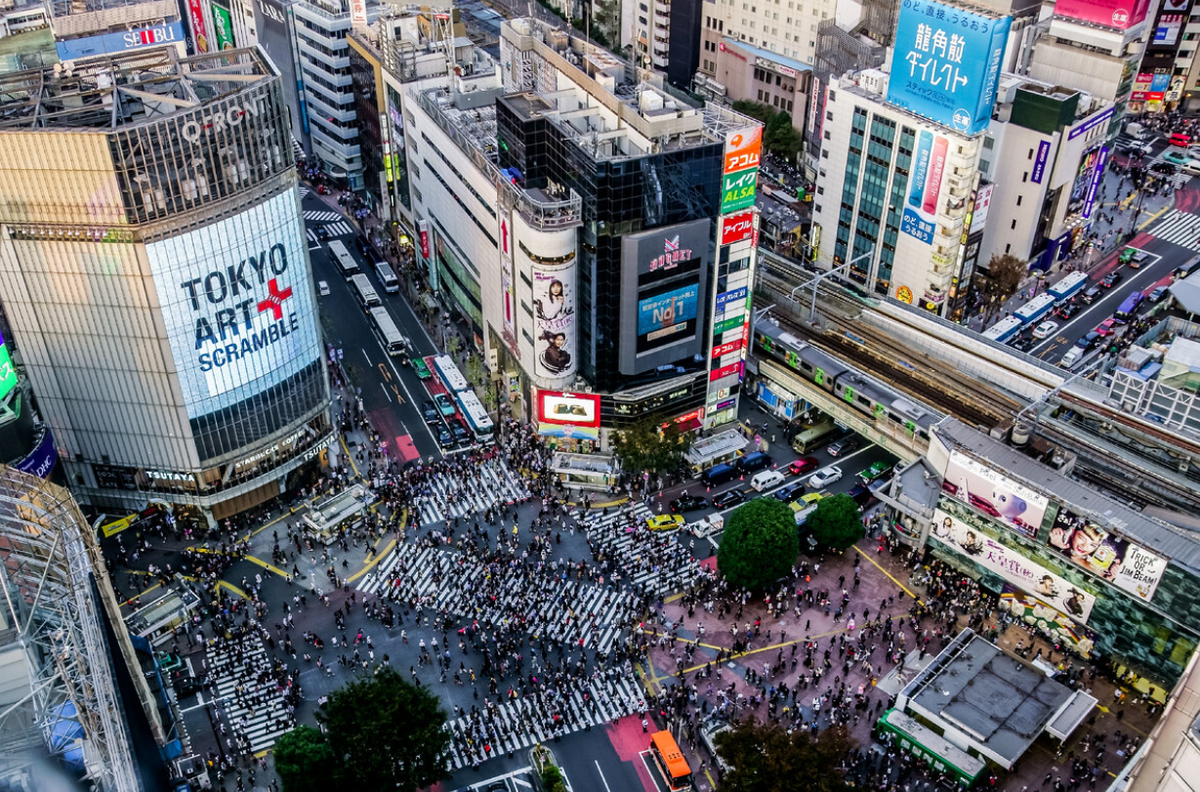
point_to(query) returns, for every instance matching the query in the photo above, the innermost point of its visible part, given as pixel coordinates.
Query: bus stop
(328, 520)
(709, 451)
(586, 471)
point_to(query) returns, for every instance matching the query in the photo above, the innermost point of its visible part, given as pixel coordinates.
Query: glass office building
(154, 267)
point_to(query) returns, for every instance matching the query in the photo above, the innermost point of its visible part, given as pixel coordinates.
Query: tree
(765, 758)
(759, 545)
(647, 446)
(781, 138)
(304, 760)
(1005, 273)
(754, 109)
(386, 733)
(836, 522)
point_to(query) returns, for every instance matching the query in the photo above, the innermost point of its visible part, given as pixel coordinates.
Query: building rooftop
(998, 701)
(125, 89)
(766, 54)
(1176, 544)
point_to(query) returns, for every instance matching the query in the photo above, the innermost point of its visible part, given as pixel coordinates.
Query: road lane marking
(385, 392)
(602, 778)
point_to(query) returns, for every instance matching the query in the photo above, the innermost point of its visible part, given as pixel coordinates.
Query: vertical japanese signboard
(223, 27)
(947, 64)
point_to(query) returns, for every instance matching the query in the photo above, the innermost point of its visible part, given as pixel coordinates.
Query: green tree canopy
(304, 760)
(765, 758)
(759, 545)
(779, 136)
(387, 734)
(647, 446)
(836, 522)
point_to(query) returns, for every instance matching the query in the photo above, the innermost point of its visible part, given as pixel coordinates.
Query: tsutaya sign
(214, 123)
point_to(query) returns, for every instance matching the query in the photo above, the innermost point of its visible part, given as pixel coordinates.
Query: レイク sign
(947, 64)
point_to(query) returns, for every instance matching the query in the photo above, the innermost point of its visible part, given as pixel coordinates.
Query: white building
(785, 27)
(870, 170)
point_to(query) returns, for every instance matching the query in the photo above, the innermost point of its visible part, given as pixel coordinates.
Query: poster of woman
(554, 320)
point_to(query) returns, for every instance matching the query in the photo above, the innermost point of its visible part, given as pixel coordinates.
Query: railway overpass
(1117, 427)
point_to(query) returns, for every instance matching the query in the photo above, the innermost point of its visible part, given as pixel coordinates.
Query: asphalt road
(391, 392)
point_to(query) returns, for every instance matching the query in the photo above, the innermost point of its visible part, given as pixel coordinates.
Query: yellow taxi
(664, 522)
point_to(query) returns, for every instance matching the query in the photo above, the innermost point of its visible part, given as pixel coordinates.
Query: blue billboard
(947, 64)
(667, 314)
(125, 40)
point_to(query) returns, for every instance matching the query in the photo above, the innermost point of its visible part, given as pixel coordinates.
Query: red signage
(1120, 14)
(725, 349)
(737, 228)
(198, 30)
(725, 371)
(423, 235)
(575, 409)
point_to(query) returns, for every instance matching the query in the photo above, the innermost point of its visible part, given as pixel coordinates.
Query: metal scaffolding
(50, 569)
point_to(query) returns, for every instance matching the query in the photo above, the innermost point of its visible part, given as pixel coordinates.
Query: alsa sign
(241, 308)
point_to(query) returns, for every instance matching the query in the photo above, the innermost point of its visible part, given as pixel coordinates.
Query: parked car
(752, 462)
(842, 447)
(718, 474)
(875, 472)
(803, 465)
(766, 479)
(727, 499)
(430, 411)
(664, 522)
(444, 405)
(823, 478)
(687, 503)
(444, 438)
(1045, 330)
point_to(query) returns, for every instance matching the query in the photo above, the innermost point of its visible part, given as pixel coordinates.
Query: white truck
(707, 525)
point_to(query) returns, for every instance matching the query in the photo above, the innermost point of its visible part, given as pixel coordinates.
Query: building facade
(157, 273)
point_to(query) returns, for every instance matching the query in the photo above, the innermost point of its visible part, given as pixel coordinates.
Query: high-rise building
(59, 692)
(592, 229)
(324, 56)
(154, 268)
(87, 28)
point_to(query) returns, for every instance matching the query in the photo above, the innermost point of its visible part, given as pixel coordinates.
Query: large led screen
(238, 303)
(666, 317)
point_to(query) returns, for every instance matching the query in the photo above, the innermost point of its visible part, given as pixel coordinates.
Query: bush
(552, 779)
(760, 544)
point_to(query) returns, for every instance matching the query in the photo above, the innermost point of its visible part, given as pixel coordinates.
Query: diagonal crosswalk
(542, 601)
(653, 563)
(1179, 228)
(249, 701)
(517, 724)
(440, 497)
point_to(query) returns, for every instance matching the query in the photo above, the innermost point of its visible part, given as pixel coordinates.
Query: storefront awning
(720, 445)
(690, 425)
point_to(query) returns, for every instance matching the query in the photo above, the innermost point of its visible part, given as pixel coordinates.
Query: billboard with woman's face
(554, 321)
(1126, 565)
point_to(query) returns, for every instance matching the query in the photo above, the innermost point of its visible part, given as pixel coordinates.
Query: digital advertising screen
(8, 373)
(579, 409)
(668, 316)
(947, 64)
(1128, 566)
(237, 300)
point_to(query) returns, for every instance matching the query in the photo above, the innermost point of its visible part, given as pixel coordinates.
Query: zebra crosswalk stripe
(668, 568)
(304, 191)
(313, 215)
(565, 610)
(516, 724)
(341, 228)
(260, 723)
(1178, 228)
(447, 497)
(312, 236)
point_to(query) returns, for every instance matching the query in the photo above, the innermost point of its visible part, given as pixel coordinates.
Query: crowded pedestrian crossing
(517, 723)
(246, 694)
(655, 563)
(544, 602)
(1179, 228)
(442, 497)
(338, 229)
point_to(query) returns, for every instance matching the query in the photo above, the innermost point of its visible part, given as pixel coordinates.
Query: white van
(1072, 358)
(765, 478)
(387, 277)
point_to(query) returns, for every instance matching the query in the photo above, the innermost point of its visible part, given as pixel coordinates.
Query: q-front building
(154, 269)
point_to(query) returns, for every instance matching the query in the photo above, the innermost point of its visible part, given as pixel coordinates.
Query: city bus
(368, 298)
(449, 374)
(1004, 330)
(815, 436)
(1035, 309)
(345, 262)
(670, 762)
(1069, 286)
(477, 417)
(394, 342)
